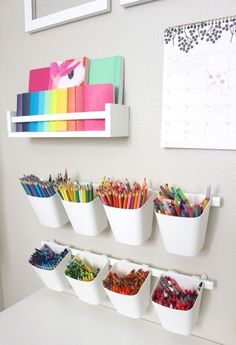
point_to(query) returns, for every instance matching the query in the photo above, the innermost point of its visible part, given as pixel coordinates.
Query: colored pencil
(36, 187)
(124, 195)
(173, 202)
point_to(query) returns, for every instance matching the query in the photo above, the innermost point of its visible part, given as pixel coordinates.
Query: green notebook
(53, 110)
(46, 110)
(108, 70)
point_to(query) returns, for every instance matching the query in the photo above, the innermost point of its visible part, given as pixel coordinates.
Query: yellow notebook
(53, 110)
(61, 108)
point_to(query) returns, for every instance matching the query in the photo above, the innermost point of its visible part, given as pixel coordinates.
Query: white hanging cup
(131, 226)
(130, 305)
(86, 218)
(180, 321)
(91, 292)
(49, 211)
(184, 235)
(55, 279)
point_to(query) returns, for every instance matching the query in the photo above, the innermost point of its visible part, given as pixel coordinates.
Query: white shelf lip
(215, 200)
(65, 116)
(116, 116)
(59, 117)
(68, 134)
(155, 272)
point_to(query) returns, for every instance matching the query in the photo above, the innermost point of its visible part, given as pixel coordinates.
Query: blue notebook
(33, 110)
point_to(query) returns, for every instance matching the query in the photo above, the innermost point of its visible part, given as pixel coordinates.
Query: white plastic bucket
(86, 218)
(180, 321)
(130, 305)
(49, 211)
(184, 235)
(55, 279)
(91, 291)
(131, 226)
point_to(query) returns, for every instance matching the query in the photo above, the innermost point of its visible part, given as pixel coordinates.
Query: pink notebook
(97, 95)
(94, 125)
(39, 79)
(95, 98)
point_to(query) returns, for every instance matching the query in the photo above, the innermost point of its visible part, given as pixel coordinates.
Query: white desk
(51, 318)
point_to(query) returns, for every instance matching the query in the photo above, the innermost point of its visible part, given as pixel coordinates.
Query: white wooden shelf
(116, 118)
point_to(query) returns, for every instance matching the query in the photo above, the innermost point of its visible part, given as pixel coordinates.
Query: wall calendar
(199, 86)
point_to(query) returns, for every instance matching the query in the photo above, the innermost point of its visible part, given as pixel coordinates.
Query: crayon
(80, 270)
(169, 294)
(45, 258)
(128, 284)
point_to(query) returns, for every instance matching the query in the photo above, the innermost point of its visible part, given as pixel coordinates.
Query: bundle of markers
(169, 294)
(74, 191)
(45, 258)
(34, 186)
(80, 270)
(122, 194)
(173, 202)
(128, 284)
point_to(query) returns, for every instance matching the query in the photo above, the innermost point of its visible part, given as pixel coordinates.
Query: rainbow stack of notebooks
(71, 86)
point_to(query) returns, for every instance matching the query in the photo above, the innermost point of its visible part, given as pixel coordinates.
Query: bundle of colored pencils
(35, 187)
(173, 202)
(74, 191)
(122, 194)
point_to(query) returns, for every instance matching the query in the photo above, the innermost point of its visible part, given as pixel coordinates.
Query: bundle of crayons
(173, 202)
(169, 294)
(74, 191)
(80, 270)
(128, 284)
(45, 258)
(122, 195)
(35, 187)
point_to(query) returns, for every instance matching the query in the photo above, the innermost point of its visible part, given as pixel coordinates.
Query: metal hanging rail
(155, 271)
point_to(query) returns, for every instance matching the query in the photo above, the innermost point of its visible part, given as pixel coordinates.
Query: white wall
(1, 294)
(137, 34)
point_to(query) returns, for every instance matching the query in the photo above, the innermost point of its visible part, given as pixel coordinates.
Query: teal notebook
(41, 109)
(108, 70)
